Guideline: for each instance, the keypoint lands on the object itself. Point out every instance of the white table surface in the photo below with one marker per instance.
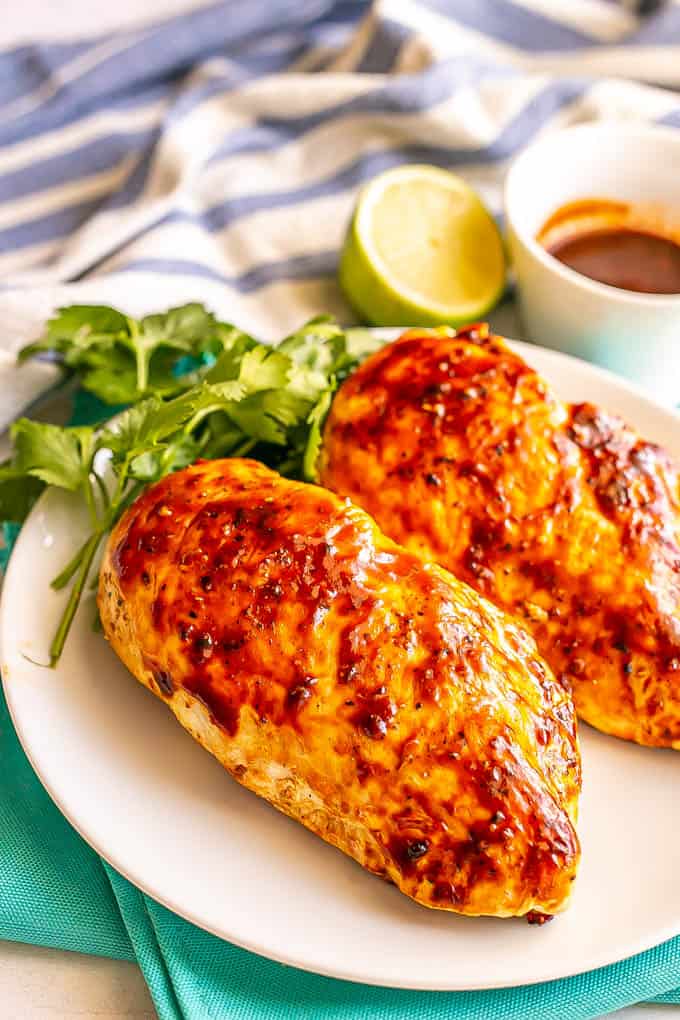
(48, 984)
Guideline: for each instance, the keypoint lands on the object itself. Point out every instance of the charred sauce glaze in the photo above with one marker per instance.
(226, 577)
(303, 567)
(498, 785)
(228, 535)
(463, 397)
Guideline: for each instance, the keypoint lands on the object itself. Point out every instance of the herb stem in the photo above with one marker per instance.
(103, 491)
(120, 486)
(59, 639)
(121, 506)
(243, 448)
(91, 505)
(141, 358)
(62, 579)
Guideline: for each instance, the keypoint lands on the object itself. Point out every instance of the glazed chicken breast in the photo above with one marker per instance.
(559, 513)
(372, 697)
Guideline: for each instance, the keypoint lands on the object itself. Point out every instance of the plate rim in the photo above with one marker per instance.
(406, 983)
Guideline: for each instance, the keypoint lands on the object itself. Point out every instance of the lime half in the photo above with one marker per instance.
(421, 249)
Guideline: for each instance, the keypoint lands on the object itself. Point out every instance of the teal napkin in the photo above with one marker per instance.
(55, 891)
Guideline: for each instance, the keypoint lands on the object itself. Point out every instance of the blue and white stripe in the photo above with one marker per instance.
(218, 151)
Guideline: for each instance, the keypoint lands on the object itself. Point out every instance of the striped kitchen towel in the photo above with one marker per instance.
(222, 146)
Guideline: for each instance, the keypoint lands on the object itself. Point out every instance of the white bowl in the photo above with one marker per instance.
(637, 335)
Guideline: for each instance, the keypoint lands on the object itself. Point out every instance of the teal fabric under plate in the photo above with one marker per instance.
(55, 891)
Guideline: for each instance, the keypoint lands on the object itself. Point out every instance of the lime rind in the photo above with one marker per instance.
(368, 284)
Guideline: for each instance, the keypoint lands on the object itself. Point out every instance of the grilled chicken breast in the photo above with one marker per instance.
(372, 697)
(560, 514)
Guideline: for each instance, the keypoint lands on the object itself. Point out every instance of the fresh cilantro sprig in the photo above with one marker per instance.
(266, 402)
(122, 360)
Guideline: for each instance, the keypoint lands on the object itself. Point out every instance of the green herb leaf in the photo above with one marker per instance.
(122, 360)
(315, 420)
(257, 400)
(263, 368)
(110, 373)
(180, 329)
(18, 493)
(75, 329)
(57, 456)
(185, 326)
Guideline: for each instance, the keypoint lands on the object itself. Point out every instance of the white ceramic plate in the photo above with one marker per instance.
(164, 813)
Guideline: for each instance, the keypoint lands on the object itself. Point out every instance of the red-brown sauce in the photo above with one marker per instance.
(625, 245)
(627, 259)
